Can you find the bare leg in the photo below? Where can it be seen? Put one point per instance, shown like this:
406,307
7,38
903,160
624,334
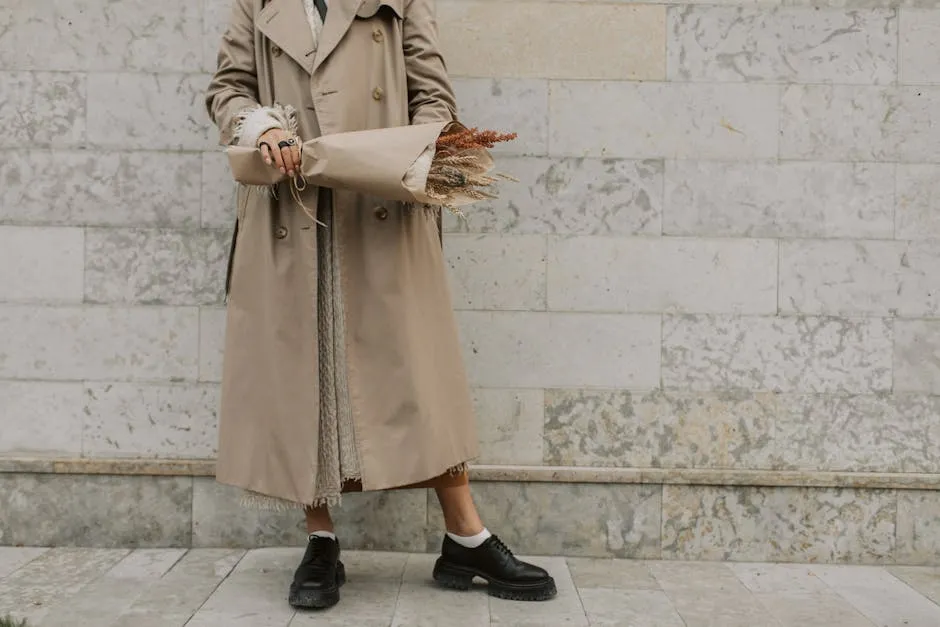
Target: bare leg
319,519
460,514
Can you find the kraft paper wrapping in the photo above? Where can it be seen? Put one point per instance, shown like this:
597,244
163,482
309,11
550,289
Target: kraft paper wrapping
375,162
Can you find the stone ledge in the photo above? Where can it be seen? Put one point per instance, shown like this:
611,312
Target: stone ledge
687,522
78,466
529,474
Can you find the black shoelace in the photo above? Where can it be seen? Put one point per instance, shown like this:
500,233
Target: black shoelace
317,560
502,548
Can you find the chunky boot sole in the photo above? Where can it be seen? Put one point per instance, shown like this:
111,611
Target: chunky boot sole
458,577
318,599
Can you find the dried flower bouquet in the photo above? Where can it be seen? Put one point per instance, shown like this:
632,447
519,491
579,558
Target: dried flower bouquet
461,166
443,164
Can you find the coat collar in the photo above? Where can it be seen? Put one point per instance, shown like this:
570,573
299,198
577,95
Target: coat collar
284,22
339,17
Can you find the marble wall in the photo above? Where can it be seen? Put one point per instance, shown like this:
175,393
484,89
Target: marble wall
721,252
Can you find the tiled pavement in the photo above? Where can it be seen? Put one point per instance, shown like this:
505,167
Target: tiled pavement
225,588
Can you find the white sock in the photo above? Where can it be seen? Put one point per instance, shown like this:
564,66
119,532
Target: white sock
471,542
322,534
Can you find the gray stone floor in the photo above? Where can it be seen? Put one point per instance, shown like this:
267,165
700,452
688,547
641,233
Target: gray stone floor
225,588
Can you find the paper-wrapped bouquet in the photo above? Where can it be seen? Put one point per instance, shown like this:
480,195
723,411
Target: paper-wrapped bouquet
441,163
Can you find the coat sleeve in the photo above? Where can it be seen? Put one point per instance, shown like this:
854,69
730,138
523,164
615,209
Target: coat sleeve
430,95
232,96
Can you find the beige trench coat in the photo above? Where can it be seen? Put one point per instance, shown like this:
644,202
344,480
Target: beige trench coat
377,65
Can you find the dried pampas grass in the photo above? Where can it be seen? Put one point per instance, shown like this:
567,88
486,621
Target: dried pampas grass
461,168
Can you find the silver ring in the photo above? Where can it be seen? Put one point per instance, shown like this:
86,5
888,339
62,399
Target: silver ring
291,141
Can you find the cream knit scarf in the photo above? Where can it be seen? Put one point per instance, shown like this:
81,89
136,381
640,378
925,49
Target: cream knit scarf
313,18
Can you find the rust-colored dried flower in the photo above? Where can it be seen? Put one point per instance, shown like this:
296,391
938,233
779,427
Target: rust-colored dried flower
460,171
470,138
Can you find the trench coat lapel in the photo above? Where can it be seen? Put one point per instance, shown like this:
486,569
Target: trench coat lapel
285,23
339,16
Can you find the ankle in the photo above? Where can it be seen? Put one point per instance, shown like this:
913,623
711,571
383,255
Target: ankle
465,531
464,525
319,519
471,541
464,528
321,534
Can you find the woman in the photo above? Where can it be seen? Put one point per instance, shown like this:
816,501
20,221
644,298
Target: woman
342,365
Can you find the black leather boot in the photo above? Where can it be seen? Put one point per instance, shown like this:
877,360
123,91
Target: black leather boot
507,577
319,576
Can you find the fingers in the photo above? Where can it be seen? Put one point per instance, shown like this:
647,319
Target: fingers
265,148
295,157
269,150
277,153
290,155
273,157
286,159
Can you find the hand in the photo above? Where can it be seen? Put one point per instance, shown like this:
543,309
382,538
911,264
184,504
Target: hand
286,158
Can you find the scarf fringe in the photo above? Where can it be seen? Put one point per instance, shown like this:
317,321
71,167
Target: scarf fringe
263,502
459,469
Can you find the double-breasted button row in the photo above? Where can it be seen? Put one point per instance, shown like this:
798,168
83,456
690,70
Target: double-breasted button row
378,93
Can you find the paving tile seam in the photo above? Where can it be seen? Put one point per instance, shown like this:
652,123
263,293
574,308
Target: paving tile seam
906,583
682,589
216,588
27,563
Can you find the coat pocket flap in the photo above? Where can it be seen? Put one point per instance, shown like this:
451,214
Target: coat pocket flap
370,7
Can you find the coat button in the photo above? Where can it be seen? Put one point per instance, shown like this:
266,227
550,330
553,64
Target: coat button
275,51
378,93
381,213
280,232
377,35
